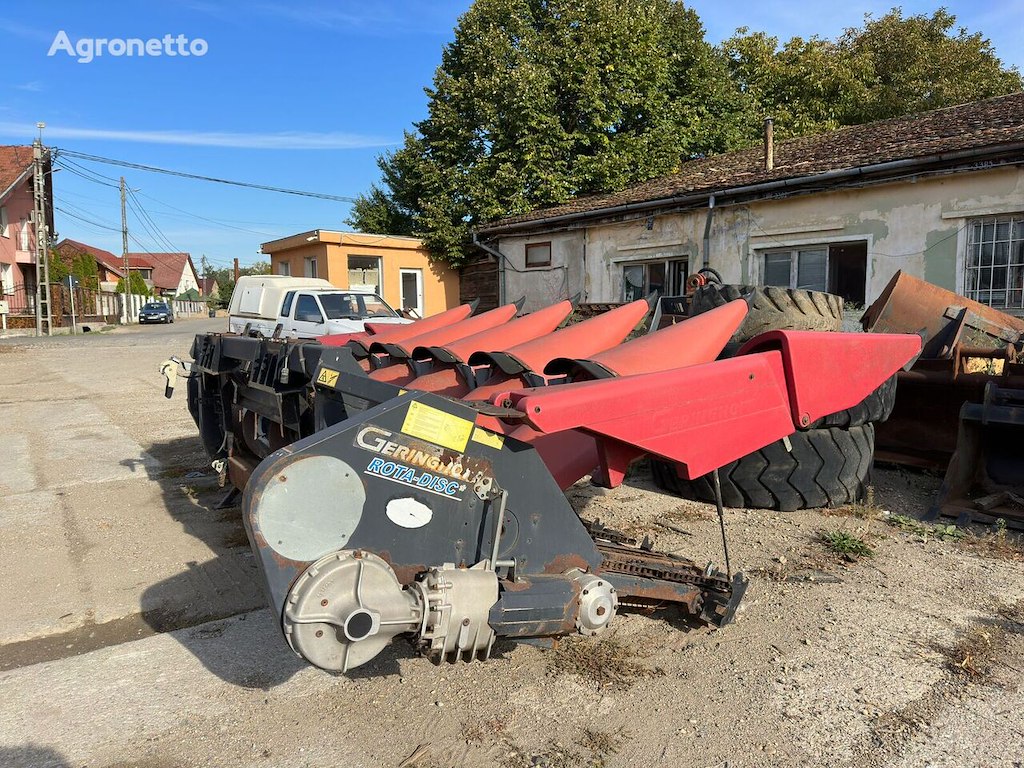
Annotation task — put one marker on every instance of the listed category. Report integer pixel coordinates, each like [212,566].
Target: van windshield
[354,306]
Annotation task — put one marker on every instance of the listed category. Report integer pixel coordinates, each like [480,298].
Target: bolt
[805,420]
[323,603]
[319,633]
[536,409]
[465,622]
[358,554]
[282,478]
[600,610]
[586,591]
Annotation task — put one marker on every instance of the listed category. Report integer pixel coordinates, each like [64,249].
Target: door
[308,320]
[412,290]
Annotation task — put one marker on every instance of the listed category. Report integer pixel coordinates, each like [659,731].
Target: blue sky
[301,96]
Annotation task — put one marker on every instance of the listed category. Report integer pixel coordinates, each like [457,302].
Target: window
[286,305]
[364,273]
[538,255]
[23,238]
[354,306]
[307,310]
[6,279]
[284,268]
[310,266]
[3,222]
[839,269]
[667,277]
[994,267]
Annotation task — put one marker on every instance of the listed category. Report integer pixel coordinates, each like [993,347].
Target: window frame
[526,255]
[4,223]
[1014,266]
[320,310]
[678,260]
[284,268]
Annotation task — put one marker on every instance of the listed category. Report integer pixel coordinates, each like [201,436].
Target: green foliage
[537,102]
[846,544]
[81,265]
[225,277]
[916,527]
[888,67]
[136,284]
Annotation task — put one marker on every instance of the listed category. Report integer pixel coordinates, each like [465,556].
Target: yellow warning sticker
[439,427]
[327,377]
[484,437]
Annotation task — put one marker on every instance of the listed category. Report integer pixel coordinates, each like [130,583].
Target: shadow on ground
[225,586]
[32,756]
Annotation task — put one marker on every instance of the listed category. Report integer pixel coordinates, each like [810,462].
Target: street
[135,632]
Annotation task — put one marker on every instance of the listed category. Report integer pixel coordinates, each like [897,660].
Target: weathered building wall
[917,225]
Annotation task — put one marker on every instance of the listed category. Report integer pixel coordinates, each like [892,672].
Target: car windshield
[152,305]
[355,306]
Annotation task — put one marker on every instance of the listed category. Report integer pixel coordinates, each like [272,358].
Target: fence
[91,306]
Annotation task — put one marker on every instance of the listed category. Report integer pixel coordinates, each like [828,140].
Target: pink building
[17,232]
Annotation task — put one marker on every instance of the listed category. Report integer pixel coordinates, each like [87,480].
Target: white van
[304,307]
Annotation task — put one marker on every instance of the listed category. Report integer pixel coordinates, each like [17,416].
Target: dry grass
[477,732]
[598,747]
[997,544]
[973,657]
[606,662]
[863,510]
[688,514]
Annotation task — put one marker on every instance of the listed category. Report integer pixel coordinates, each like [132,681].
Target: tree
[81,265]
[538,101]
[135,283]
[920,63]
[890,66]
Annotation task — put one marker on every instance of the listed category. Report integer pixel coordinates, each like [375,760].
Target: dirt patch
[605,662]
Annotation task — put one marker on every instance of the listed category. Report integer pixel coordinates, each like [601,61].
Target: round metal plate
[311,507]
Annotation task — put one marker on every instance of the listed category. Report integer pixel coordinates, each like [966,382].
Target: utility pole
[236,269]
[42,236]
[124,256]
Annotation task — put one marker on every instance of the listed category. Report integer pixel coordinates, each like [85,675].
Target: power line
[198,177]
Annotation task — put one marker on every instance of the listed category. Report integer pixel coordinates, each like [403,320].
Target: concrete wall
[918,226]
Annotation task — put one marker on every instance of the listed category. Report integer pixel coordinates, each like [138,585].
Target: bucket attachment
[985,478]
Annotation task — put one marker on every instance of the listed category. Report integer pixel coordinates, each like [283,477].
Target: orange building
[397,268]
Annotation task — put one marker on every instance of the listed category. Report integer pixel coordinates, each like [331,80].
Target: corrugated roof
[988,123]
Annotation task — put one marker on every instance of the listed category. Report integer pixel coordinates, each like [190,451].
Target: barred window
[994,267]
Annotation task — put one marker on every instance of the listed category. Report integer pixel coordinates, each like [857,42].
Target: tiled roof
[113,263]
[207,284]
[14,161]
[167,267]
[990,123]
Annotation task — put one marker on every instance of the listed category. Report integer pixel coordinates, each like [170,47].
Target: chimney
[769,145]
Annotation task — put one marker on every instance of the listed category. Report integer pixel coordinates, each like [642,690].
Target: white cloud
[233,140]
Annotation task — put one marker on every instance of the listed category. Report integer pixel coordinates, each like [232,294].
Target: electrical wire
[61,152]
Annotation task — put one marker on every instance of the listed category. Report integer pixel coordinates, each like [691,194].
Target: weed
[601,745]
[865,510]
[973,656]
[688,514]
[598,746]
[997,543]
[917,528]
[608,662]
[846,544]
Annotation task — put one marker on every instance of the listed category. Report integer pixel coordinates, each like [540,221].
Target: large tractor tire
[875,407]
[773,308]
[825,467]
